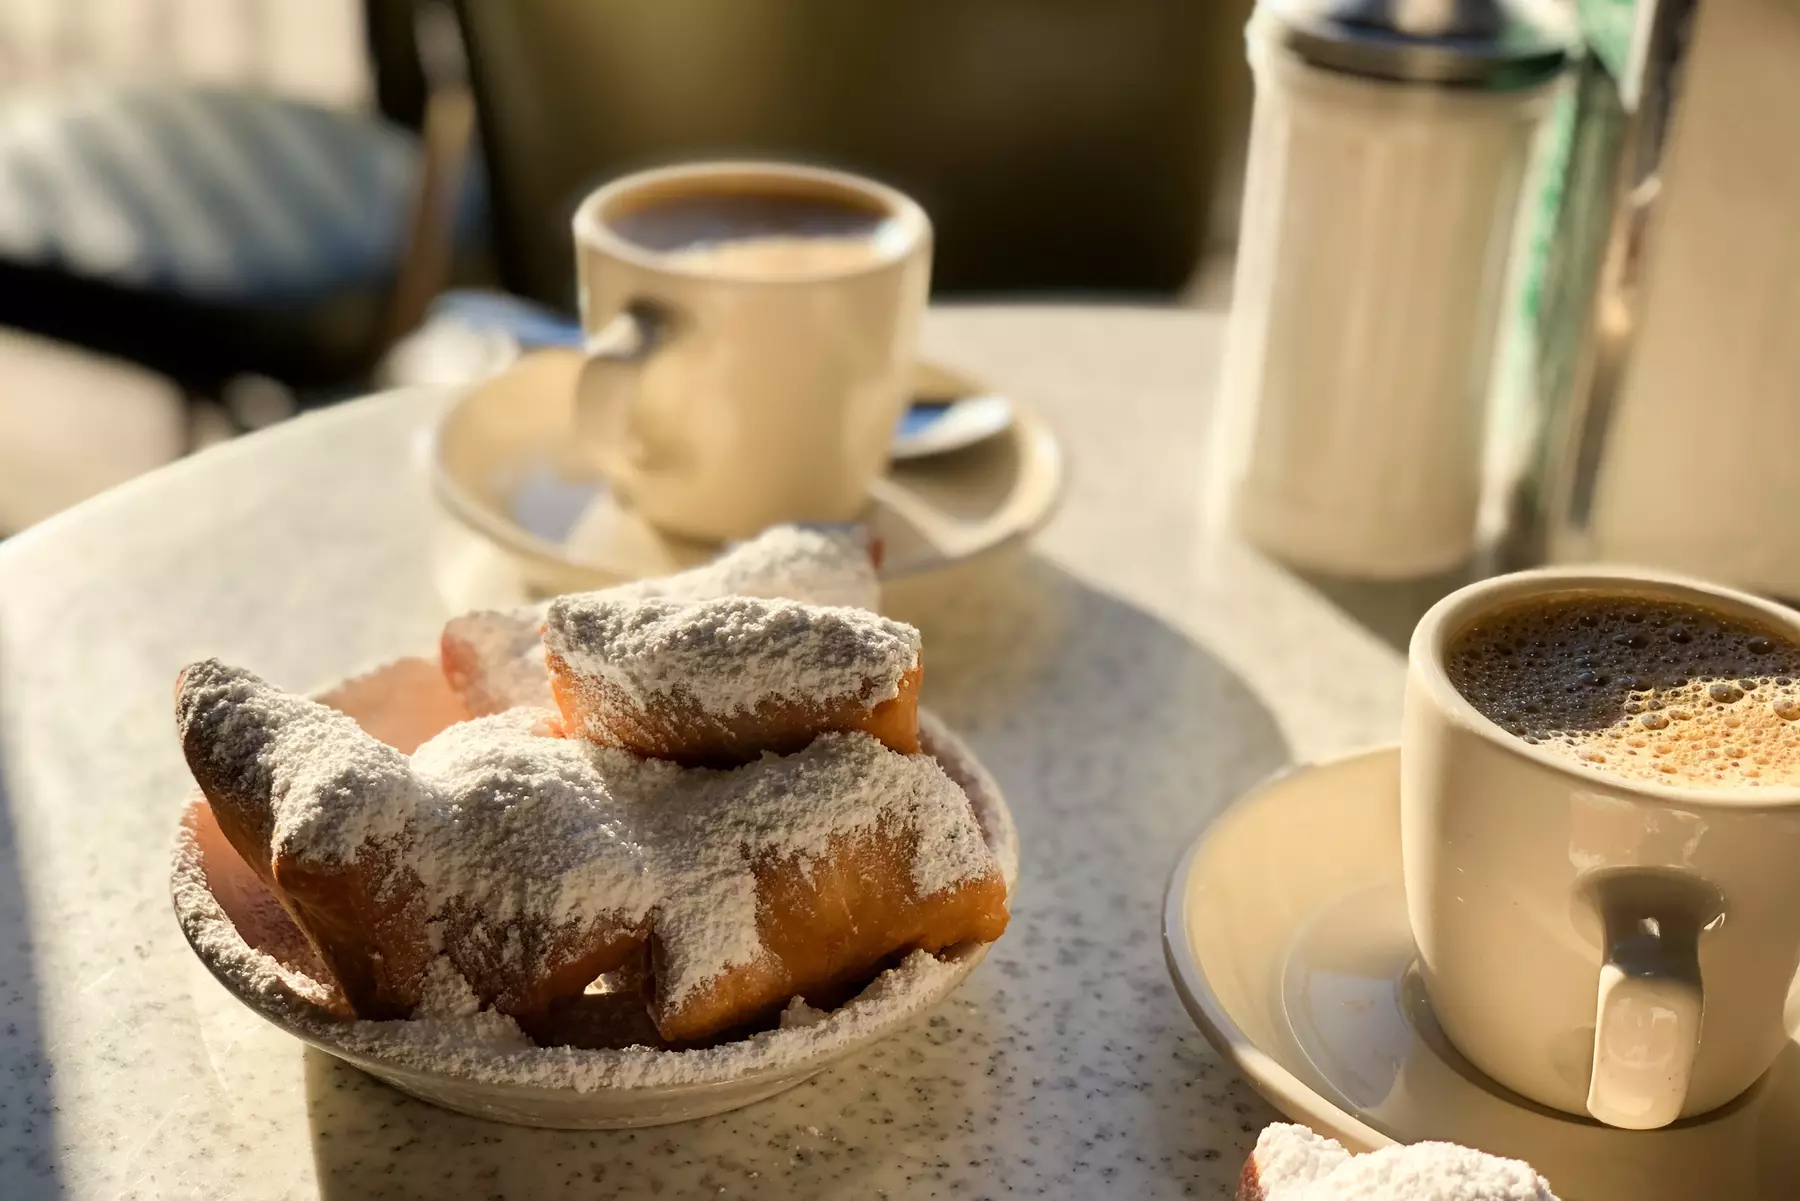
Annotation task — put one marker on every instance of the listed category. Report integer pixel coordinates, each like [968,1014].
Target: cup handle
[1648,1009]
[608,388]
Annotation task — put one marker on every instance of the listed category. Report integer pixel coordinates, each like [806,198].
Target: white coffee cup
[1597,944]
[751,331]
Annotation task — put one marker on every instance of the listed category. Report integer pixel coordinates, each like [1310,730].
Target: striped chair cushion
[211,195]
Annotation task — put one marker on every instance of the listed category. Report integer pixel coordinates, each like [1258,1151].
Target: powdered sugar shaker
[1388,147]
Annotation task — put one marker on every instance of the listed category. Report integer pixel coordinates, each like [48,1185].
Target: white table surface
[1124,681]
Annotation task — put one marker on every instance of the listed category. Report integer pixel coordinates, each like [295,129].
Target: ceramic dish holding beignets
[581,898]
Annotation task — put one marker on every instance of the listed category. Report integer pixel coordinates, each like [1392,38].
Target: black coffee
[760,234]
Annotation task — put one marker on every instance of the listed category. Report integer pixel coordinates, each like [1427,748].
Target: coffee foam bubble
[1646,689]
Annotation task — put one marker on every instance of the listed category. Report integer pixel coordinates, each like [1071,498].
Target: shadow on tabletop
[1389,609]
[1065,1064]
[28,1168]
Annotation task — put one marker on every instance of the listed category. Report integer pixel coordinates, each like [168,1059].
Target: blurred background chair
[198,203]
[212,227]
[240,205]
[1058,144]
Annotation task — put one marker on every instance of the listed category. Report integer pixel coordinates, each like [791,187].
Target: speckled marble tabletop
[1124,680]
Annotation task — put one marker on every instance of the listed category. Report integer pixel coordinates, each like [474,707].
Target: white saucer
[250,946]
[1286,932]
[525,517]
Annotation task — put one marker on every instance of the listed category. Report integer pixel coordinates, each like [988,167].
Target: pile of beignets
[709,787]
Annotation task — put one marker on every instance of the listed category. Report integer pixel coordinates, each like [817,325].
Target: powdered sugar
[793,807]
[1291,1163]
[494,659]
[488,1047]
[805,563]
[275,973]
[461,1044]
[446,994]
[728,655]
[524,827]
[541,837]
[332,788]
[799,1014]
[491,1049]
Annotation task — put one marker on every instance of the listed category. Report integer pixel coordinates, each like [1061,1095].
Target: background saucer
[1286,932]
[524,516]
[472,335]
[950,411]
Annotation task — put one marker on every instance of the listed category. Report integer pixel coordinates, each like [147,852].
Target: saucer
[949,412]
[1286,933]
[523,516]
[246,940]
[473,334]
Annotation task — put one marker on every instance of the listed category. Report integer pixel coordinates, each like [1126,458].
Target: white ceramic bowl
[244,937]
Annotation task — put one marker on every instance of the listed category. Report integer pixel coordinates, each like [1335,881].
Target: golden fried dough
[721,682]
[494,659]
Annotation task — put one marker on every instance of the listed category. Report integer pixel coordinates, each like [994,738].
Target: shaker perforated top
[1490,45]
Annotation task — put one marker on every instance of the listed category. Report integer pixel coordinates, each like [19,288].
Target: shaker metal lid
[1493,44]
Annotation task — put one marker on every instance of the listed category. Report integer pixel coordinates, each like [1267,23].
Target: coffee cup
[750,337]
[1600,816]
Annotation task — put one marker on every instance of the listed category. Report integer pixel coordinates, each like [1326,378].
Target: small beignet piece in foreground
[721,682]
[1292,1163]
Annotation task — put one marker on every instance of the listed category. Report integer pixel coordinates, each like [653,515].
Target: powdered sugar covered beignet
[317,809]
[532,863]
[494,659]
[723,681]
[494,843]
[1291,1163]
[802,875]
[534,872]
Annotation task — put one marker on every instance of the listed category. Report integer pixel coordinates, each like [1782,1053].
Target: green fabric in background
[1562,229]
[1550,173]
[1606,28]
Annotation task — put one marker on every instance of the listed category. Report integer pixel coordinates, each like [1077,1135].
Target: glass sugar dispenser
[1389,144]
